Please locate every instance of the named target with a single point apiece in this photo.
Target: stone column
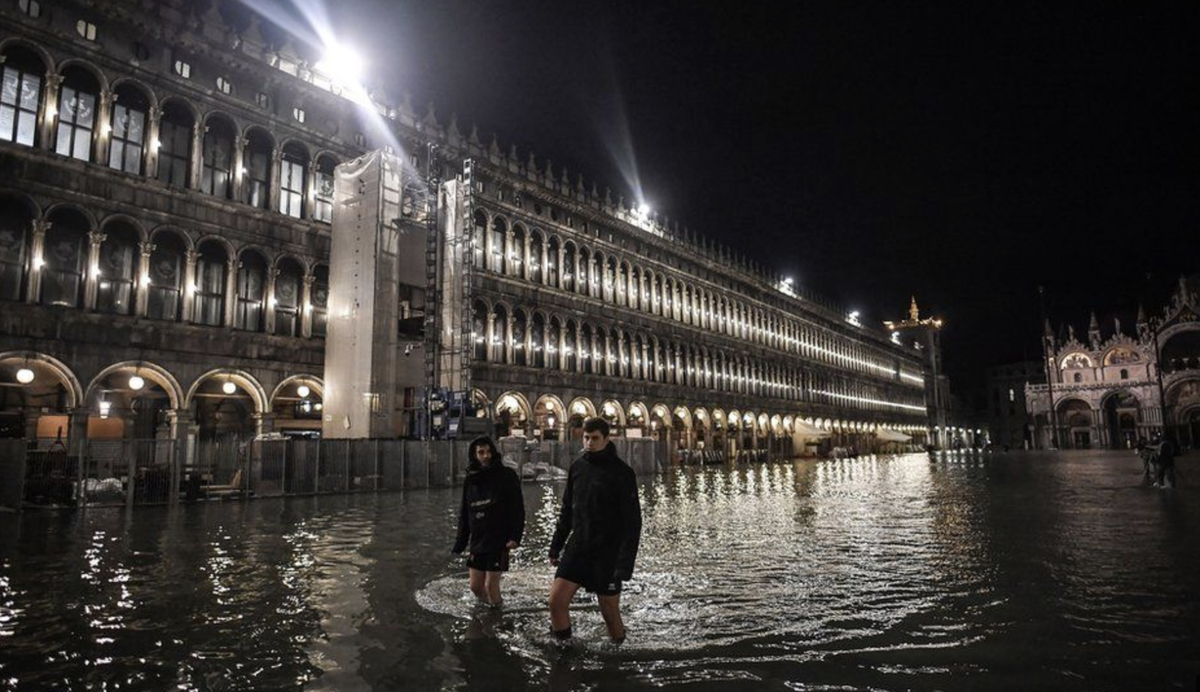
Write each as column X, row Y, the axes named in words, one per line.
column 545, row 259
column 578, row 348
column 104, row 125
column 239, row 166
column 76, row 432
column 53, row 81
column 263, row 423
column 562, row 347
column 92, row 278
column 269, row 308
column 562, row 270
column 197, row 156
column 37, row 248
column 507, row 253
column 645, row 364
column 153, row 126
column 276, row 182
column 306, row 309
column 188, row 311
column 527, row 262
column 491, row 336
column 142, row 299
column 508, row 345
column 310, row 189
column 180, row 421
column 231, row 273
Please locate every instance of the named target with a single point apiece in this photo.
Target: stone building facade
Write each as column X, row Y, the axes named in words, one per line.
column 1007, row 413
column 166, row 192
column 1109, row 391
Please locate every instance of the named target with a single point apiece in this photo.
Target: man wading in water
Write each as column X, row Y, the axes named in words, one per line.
column 600, row 525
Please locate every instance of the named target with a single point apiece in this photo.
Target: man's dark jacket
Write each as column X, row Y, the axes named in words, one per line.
column 493, row 508
column 601, row 517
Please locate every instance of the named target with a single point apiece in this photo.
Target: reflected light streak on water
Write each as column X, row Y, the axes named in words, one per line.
column 954, row 572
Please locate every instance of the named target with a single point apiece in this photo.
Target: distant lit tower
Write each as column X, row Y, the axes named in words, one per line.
column 927, row 337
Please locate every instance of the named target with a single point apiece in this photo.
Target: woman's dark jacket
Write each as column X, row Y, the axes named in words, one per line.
column 493, row 508
column 601, row 517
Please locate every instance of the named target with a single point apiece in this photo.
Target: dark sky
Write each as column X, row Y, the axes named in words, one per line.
column 962, row 152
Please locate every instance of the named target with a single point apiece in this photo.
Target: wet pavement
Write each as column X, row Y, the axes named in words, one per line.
column 982, row 572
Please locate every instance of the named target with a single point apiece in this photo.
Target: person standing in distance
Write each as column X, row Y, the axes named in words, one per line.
column 596, row 540
column 492, row 518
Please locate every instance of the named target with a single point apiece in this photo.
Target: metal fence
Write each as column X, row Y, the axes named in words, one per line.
column 156, row 471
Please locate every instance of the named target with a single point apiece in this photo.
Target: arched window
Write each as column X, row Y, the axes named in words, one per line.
column 535, row 257
column 166, row 277
column 569, row 351
column 251, row 291
column 212, row 263
column 1078, row 377
column 320, row 300
column 287, row 298
column 586, row 359
column 520, row 357
column 76, row 114
column 15, row 221
column 537, row 342
column 1124, row 374
column 516, row 253
column 568, row 267
column 292, row 180
column 118, row 261
column 479, row 313
column 63, row 259
column 499, row 336
column 552, row 262
column 216, row 177
column 496, row 241
column 323, row 209
column 256, row 158
column 479, row 241
column 174, row 145
column 20, row 95
column 553, row 341
column 586, row 271
column 129, row 110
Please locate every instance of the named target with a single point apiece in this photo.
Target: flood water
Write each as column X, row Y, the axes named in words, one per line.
column 985, row 572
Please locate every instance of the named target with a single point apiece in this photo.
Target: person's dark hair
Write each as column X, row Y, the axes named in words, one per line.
column 482, row 441
column 596, row 424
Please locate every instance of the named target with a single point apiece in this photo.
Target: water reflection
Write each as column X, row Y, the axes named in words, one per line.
column 946, row 572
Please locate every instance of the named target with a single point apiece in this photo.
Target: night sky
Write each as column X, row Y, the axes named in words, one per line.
column 965, row 153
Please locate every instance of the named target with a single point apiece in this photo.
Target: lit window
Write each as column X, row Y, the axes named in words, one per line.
column 224, row 85
column 86, row 29
column 1012, row 395
column 33, row 8
column 298, row 114
column 19, row 101
column 183, row 69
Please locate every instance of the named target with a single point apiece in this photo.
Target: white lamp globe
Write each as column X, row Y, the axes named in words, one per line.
column 229, row 388
column 303, row 391
column 136, row 383
column 24, row 376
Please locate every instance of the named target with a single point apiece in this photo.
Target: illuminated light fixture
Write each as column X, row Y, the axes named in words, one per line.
column 228, row 387
column 105, row 407
column 303, row 391
column 25, row 375
column 644, row 209
column 341, row 64
column 136, row 383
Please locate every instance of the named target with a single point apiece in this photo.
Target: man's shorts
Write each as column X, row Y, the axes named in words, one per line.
column 595, row 576
column 489, row 562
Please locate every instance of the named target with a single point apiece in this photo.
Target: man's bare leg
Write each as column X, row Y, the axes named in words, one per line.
column 610, row 610
column 561, row 593
column 492, row 583
column 478, row 584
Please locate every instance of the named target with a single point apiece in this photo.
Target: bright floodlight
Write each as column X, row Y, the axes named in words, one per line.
column 136, row 383
column 24, row 376
column 788, row 280
column 341, row 64
column 644, row 209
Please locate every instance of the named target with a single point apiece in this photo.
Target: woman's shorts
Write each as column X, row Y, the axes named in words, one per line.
column 489, row 562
